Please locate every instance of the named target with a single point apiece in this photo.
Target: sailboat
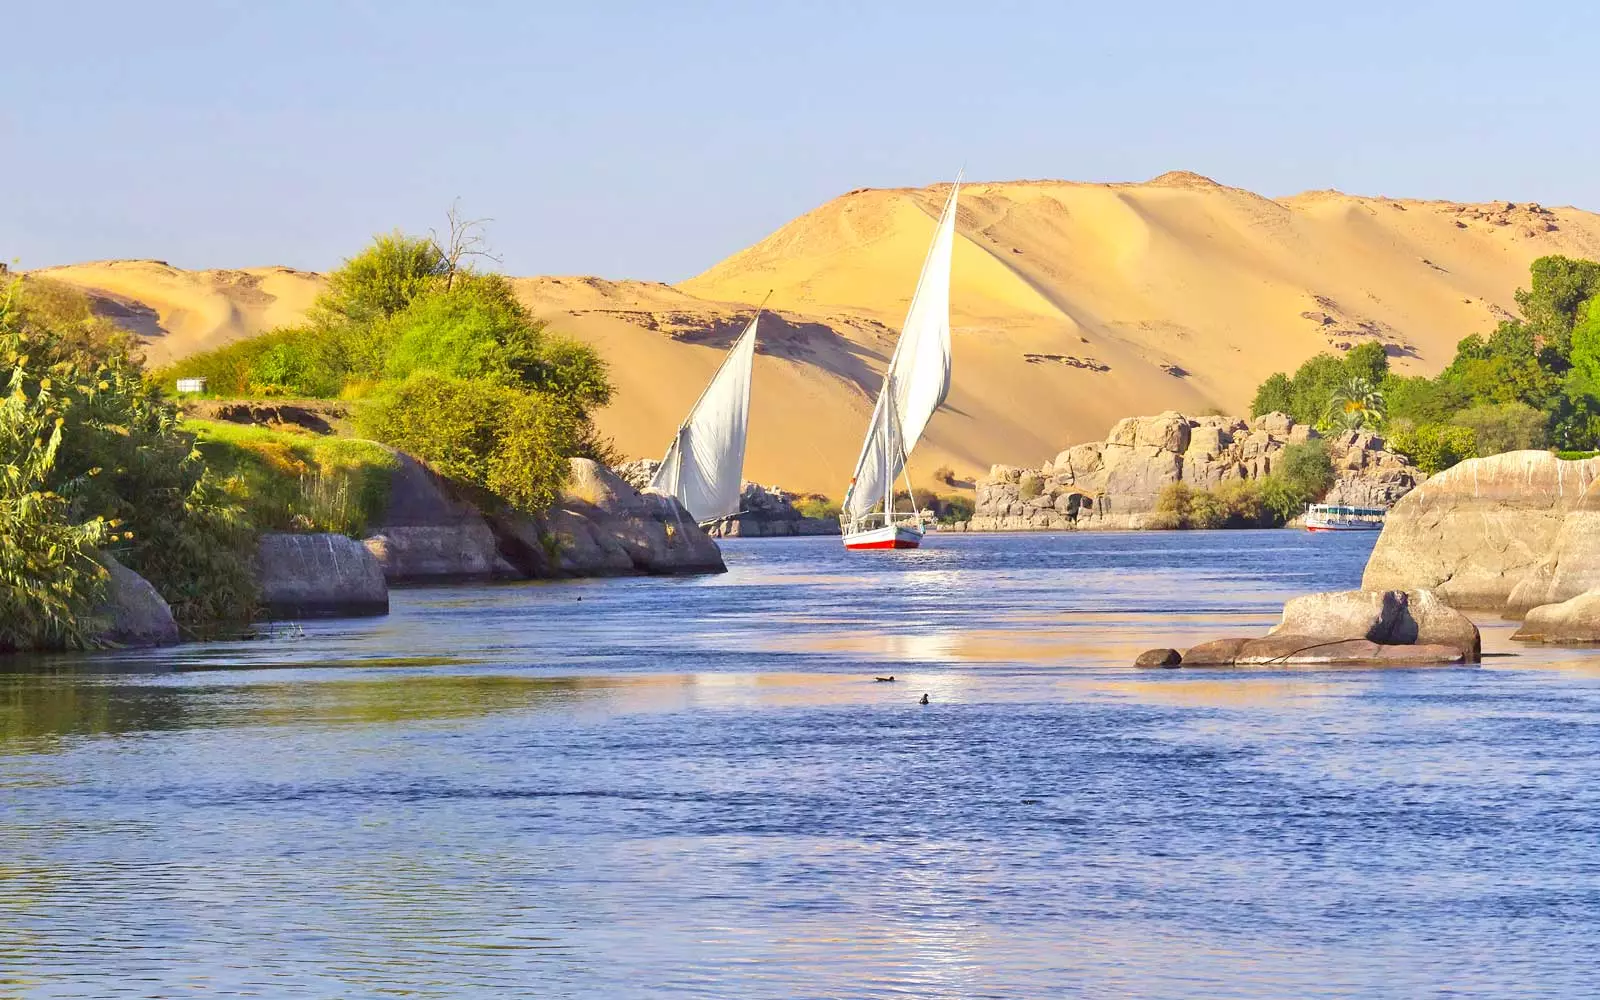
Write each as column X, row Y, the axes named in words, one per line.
column 914, row 386
column 704, row 465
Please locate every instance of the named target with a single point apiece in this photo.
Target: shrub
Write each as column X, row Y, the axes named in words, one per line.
column 1243, row 505
column 120, row 457
column 1306, row 468
column 954, row 508
column 1172, row 507
column 1434, row 447
column 509, row 442
column 1030, row 486
column 816, row 505
column 49, row 578
column 944, row 474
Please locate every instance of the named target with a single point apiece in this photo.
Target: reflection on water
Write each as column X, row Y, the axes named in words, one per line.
column 696, row 788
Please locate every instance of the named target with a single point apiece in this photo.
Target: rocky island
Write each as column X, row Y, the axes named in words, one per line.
column 1115, row 484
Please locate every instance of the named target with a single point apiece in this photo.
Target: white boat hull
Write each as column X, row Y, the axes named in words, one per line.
column 895, row 536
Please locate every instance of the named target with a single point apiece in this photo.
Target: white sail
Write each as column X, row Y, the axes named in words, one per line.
column 704, row 467
column 917, row 381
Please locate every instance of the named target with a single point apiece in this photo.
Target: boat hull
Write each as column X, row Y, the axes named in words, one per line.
column 897, row 536
column 1344, row 527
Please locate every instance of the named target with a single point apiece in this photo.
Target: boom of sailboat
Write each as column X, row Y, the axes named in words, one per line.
column 704, row 464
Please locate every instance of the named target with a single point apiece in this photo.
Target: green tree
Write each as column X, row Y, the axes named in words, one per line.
column 381, row 280
column 1368, row 361
column 1559, row 287
column 1501, row 427
column 1275, row 395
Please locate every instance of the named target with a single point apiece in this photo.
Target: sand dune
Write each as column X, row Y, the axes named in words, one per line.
column 1073, row 305
column 179, row 312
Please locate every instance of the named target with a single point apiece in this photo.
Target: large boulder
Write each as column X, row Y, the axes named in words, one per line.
column 319, row 576
column 1389, row 627
column 1474, row 532
column 1571, row 567
column 1575, row 620
column 440, row 553
column 133, row 613
column 430, row 532
column 1348, row 614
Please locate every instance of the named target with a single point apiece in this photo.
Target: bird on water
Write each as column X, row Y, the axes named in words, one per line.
column 924, row 700
column 885, row 680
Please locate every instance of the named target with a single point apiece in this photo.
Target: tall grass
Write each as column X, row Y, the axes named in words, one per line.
column 298, row 481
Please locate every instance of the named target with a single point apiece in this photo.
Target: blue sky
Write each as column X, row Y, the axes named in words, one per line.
column 650, row 140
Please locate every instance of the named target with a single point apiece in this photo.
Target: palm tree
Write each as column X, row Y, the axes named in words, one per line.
column 1356, row 404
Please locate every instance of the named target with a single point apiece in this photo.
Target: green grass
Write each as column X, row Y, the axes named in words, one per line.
column 1573, row 456
column 298, row 481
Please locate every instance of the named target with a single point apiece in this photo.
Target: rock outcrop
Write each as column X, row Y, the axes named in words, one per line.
column 1348, row 627
column 1493, row 533
column 319, row 576
column 1574, row 621
column 1114, row 484
column 430, row 533
column 602, row 526
column 764, row 511
column 133, row 613
column 769, row 512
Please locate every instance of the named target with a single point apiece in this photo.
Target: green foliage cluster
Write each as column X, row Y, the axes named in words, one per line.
column 96, row 457
column 298, row 481
column 1303, row 474
column 447, row 363
column 1030, row 486
column 816, row 505
column 49, row 578
column 953, row 508
column 513, row 443
column 1533, row 382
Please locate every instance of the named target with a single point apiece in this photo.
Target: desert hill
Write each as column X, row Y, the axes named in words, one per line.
column 1073, row 305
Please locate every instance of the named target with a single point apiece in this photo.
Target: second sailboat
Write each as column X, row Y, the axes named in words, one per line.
column 914, row 386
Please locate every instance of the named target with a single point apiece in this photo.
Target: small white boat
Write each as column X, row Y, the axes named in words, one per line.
column 704, row 465
column 1342, row 517
column 914, row 386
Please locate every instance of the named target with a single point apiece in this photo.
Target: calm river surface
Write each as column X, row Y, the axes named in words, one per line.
column 695, row 788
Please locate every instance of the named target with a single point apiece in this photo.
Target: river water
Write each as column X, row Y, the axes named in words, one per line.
column 696, row 788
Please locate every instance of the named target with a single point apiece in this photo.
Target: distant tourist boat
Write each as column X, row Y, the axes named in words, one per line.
column 914, row 386
column 1341, row 517
column 704, row 465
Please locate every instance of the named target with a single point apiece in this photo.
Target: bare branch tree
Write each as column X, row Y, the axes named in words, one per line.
column 466, row 239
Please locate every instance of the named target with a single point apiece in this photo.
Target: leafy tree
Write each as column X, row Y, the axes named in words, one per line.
column 1422, row 400
column 1500, row 427
column 1559, row 287
column 1276, row 395
column 381, row 280
column 1314, row 383
column 1368, row 361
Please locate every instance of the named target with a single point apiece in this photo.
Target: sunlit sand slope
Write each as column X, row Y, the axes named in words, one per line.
column 1073, row 305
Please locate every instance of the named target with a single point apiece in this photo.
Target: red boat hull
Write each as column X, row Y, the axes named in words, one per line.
column 896, row 537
